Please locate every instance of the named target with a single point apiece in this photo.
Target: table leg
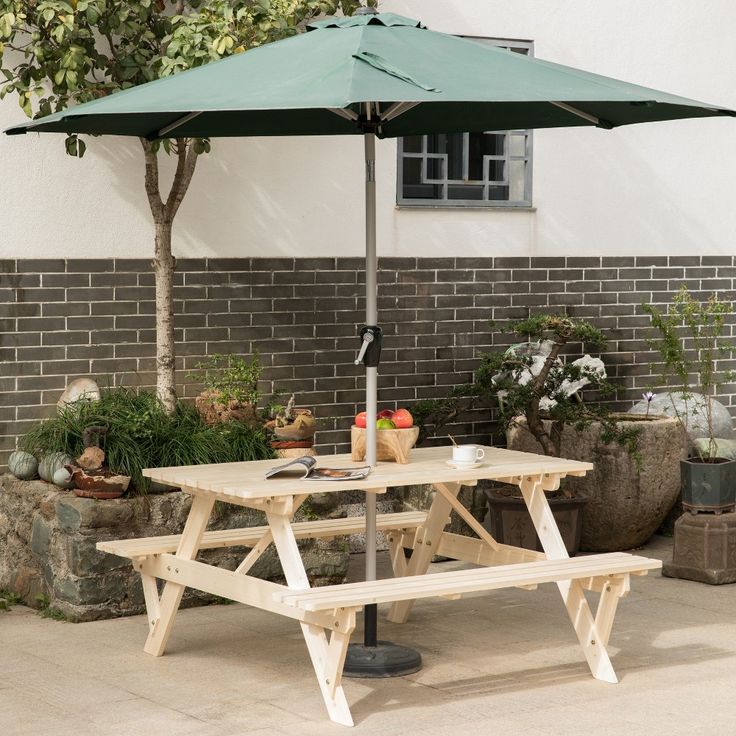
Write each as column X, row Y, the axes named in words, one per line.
column 168, row 605
column 328, row 656
column 591, row 640
column 426, row 543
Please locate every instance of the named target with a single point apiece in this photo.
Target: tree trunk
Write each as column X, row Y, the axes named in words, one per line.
column 164, row 261
column 163, row 268
column 550, row 443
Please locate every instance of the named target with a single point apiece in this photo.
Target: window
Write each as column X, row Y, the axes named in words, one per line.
column 490, row 169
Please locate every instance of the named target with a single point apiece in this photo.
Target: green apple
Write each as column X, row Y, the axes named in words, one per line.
column 385, row 424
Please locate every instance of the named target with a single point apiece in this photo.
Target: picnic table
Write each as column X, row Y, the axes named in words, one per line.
column 327, row 614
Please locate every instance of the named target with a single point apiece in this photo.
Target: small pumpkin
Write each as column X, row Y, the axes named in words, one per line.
column 51, row 463
column 63, row 479
column 23, row 465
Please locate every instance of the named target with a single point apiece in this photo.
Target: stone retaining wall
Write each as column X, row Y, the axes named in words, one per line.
column 48, row 538
column 48, row 555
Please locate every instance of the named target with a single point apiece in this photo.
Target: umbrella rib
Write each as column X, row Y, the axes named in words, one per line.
column 178, row 122
column 574, row 110
column 343, row 113
column 398, row 108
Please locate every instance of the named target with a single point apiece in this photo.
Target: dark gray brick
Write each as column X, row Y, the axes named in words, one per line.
column 583, row 261
column 652, row 261
column 548, row 262
column 40, row 265
column 89, row 265
column 684, row 260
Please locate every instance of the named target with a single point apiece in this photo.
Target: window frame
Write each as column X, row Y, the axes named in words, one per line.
column 523, row 204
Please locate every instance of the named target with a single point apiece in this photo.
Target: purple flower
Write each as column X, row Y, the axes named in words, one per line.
column 648, row 396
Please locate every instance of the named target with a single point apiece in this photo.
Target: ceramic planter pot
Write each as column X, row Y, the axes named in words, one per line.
column 708, row 486
column 509, row 522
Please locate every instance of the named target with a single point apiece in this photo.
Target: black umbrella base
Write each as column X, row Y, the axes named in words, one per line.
column 384, row 660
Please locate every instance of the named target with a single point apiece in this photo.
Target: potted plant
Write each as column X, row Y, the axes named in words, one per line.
column 293, row 429
column 537, row 388
column 691, row 341
column 230, row 389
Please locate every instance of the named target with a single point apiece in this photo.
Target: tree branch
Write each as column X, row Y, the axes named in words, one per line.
column 533, row 417
column 185, row 165
column 151, row 181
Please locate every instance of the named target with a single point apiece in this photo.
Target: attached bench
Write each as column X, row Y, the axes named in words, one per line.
column 250, row 536
column 456, row 583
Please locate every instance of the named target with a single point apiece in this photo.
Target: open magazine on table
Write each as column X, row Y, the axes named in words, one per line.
column 306, row 467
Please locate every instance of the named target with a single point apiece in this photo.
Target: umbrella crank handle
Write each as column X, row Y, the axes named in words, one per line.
column 367, row 340
column 370, row 346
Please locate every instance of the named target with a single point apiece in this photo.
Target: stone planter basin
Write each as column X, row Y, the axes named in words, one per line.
column 626, row 504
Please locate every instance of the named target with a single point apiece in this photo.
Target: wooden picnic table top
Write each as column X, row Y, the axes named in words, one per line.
column 426, row 465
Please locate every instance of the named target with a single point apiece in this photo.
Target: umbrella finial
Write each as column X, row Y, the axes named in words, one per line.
column 365, row 10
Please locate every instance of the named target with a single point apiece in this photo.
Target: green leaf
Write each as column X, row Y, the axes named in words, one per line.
column 71, row 145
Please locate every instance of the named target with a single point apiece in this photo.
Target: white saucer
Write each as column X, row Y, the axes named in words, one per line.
column 463, row 466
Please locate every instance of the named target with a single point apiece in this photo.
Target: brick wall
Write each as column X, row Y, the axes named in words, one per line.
column 60, row 319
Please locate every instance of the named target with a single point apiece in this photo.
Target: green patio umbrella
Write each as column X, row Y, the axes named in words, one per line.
column 375, row 75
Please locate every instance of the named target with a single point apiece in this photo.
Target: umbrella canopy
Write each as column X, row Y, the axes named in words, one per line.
column 421, row 80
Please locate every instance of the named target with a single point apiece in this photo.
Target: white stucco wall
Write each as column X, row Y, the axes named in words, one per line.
column 665, row 188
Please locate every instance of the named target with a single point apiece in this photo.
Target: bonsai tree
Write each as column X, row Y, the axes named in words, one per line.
column 532, row 382
column 691, row 342
column 57, row 53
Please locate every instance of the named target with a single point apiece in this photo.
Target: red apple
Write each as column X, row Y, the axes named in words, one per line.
column 384, row 414
column 402, row 419
column 360, row 420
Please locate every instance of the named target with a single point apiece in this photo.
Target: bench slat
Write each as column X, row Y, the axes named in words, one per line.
column 465, row 581
column 248, row 536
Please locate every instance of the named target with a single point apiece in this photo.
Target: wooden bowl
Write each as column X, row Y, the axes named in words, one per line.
column 391, row 444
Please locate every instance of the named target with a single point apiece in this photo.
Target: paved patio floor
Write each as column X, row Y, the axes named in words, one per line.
column 501, row 663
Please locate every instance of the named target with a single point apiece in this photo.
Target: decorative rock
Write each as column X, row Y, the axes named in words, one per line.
column 323, row 503
column 63, row 478
column 692, row 412
column 79, row 388
column 23, row 465
column 723, row 448
column 40, row 536
column 91, row 459
column 626, row 504
column 74, row 513
column 51, row 463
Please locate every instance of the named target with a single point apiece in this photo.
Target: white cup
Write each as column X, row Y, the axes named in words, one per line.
column 467, row 454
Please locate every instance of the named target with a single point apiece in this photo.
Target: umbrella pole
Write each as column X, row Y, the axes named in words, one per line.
column 374, row 658
column 371, row 377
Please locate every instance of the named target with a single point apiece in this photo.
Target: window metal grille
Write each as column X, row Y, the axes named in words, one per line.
column 489, row 169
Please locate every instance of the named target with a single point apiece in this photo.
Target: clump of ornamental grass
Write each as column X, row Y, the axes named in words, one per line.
column 135, row 432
